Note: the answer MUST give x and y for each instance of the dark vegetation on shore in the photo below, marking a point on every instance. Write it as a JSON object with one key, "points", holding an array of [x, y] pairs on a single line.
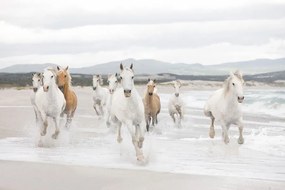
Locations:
{"points": [[24, 79]]}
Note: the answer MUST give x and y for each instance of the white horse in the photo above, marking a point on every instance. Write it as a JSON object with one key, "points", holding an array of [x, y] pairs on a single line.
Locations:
{"points": [[128, 109], [225, 106], [37, 83], [176, 105], [50, 102], [100, 95], [112, 86]]}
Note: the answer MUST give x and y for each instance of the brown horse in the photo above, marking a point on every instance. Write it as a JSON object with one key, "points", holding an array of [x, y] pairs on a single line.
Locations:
{"points": [[151, 104], [64, 84]]}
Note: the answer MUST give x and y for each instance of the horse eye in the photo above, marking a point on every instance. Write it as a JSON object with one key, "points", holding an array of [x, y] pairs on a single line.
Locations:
{"points": [[233, 84], [39, 80], [65, 76], [116, 81], [132, 77], [121, 77]]}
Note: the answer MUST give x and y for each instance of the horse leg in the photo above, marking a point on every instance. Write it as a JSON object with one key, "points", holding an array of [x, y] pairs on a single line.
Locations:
{"points": [[44, 124], [212, 129], [172, 116], [135, 141], [240, 127], [140, 135], [147, 121], [56, 124], [95, 108], [101, 109], [225, 128], [119, 137], [68, 120]]}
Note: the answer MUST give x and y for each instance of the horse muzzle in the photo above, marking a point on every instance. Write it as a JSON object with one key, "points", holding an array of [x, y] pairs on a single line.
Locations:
{"points": [[240, 99], [176, 94], [111, 91], [150, 93], [94, 88], [127, 93], [46, 88]]}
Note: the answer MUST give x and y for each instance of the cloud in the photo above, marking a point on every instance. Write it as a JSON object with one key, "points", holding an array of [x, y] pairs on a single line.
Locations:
{"points": [[89, 32]]}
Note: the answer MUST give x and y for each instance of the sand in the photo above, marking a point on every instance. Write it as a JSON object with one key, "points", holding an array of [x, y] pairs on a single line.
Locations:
{"points": [[35, 176]]}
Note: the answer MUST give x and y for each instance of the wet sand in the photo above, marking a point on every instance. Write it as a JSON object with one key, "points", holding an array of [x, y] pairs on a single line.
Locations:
{"points": [[35, 176]]}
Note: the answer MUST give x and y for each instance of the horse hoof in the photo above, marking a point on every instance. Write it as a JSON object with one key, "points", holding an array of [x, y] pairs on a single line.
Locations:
{"points": [[226, 140], [240, 140], [40, 143], [140, 158], [43, 133], [119, 139], [54, 136], [212, 134]]}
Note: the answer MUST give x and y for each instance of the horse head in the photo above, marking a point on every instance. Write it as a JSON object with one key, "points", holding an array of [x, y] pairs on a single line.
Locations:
{"points": [[63, 76], [150, 87], [37, 80], [177, 84], [235, 84], [112, 83], [97, 81], [49, 79], [127, 79]]}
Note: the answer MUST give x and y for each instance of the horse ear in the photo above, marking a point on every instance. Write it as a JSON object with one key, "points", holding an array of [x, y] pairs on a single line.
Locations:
{"points": [[116, 74], [39, 74], [98, 76], [58, 68], [66, 68], [121, 67], [148, 79], [131, 67], [238, 74], [154, 80]]}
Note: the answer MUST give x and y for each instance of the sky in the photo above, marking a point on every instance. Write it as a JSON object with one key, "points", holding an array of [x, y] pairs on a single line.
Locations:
{"points": [[88, 32]]}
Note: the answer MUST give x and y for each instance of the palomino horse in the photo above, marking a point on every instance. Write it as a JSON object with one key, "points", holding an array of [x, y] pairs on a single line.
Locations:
{"points": [[112, 86], [127, 108], [37, 83], [225, 106], [64, 84], [151, 104], [176, 104], [100, 95], [50, 102]]}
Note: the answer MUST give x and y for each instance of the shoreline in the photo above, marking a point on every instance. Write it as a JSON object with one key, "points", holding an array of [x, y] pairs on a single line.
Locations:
{"points": [[31, 175]]}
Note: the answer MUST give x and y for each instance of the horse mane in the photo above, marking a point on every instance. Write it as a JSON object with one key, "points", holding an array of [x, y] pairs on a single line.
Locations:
{"points": [[68, 76]]}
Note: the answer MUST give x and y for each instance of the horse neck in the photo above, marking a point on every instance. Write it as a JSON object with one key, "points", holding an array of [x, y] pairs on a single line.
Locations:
{"points": [[66, 89], [52, 91], [230, 99]]}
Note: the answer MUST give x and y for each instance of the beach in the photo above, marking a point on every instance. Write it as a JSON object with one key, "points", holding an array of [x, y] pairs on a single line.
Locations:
{"points": [[87, 155]]}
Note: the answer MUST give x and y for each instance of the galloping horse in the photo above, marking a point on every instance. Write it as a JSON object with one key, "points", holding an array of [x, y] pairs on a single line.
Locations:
{"points": [[225, 106], [50, 102], [64, 83], [176, 105], [127, 108], [100, 95], [37, 83], [151, 104], [112, 86]]}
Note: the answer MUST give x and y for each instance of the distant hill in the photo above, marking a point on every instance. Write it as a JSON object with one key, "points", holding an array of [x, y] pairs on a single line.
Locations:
{"points": [[25, 68], [150, 66], [24, 79]]}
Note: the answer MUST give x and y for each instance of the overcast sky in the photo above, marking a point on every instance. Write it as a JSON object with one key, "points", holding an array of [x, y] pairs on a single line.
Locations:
{"points": [[88, 32]]}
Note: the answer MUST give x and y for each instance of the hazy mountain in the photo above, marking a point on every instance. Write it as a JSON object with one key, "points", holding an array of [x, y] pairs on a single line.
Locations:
{"points": [[150, 66], [26, 68]]}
